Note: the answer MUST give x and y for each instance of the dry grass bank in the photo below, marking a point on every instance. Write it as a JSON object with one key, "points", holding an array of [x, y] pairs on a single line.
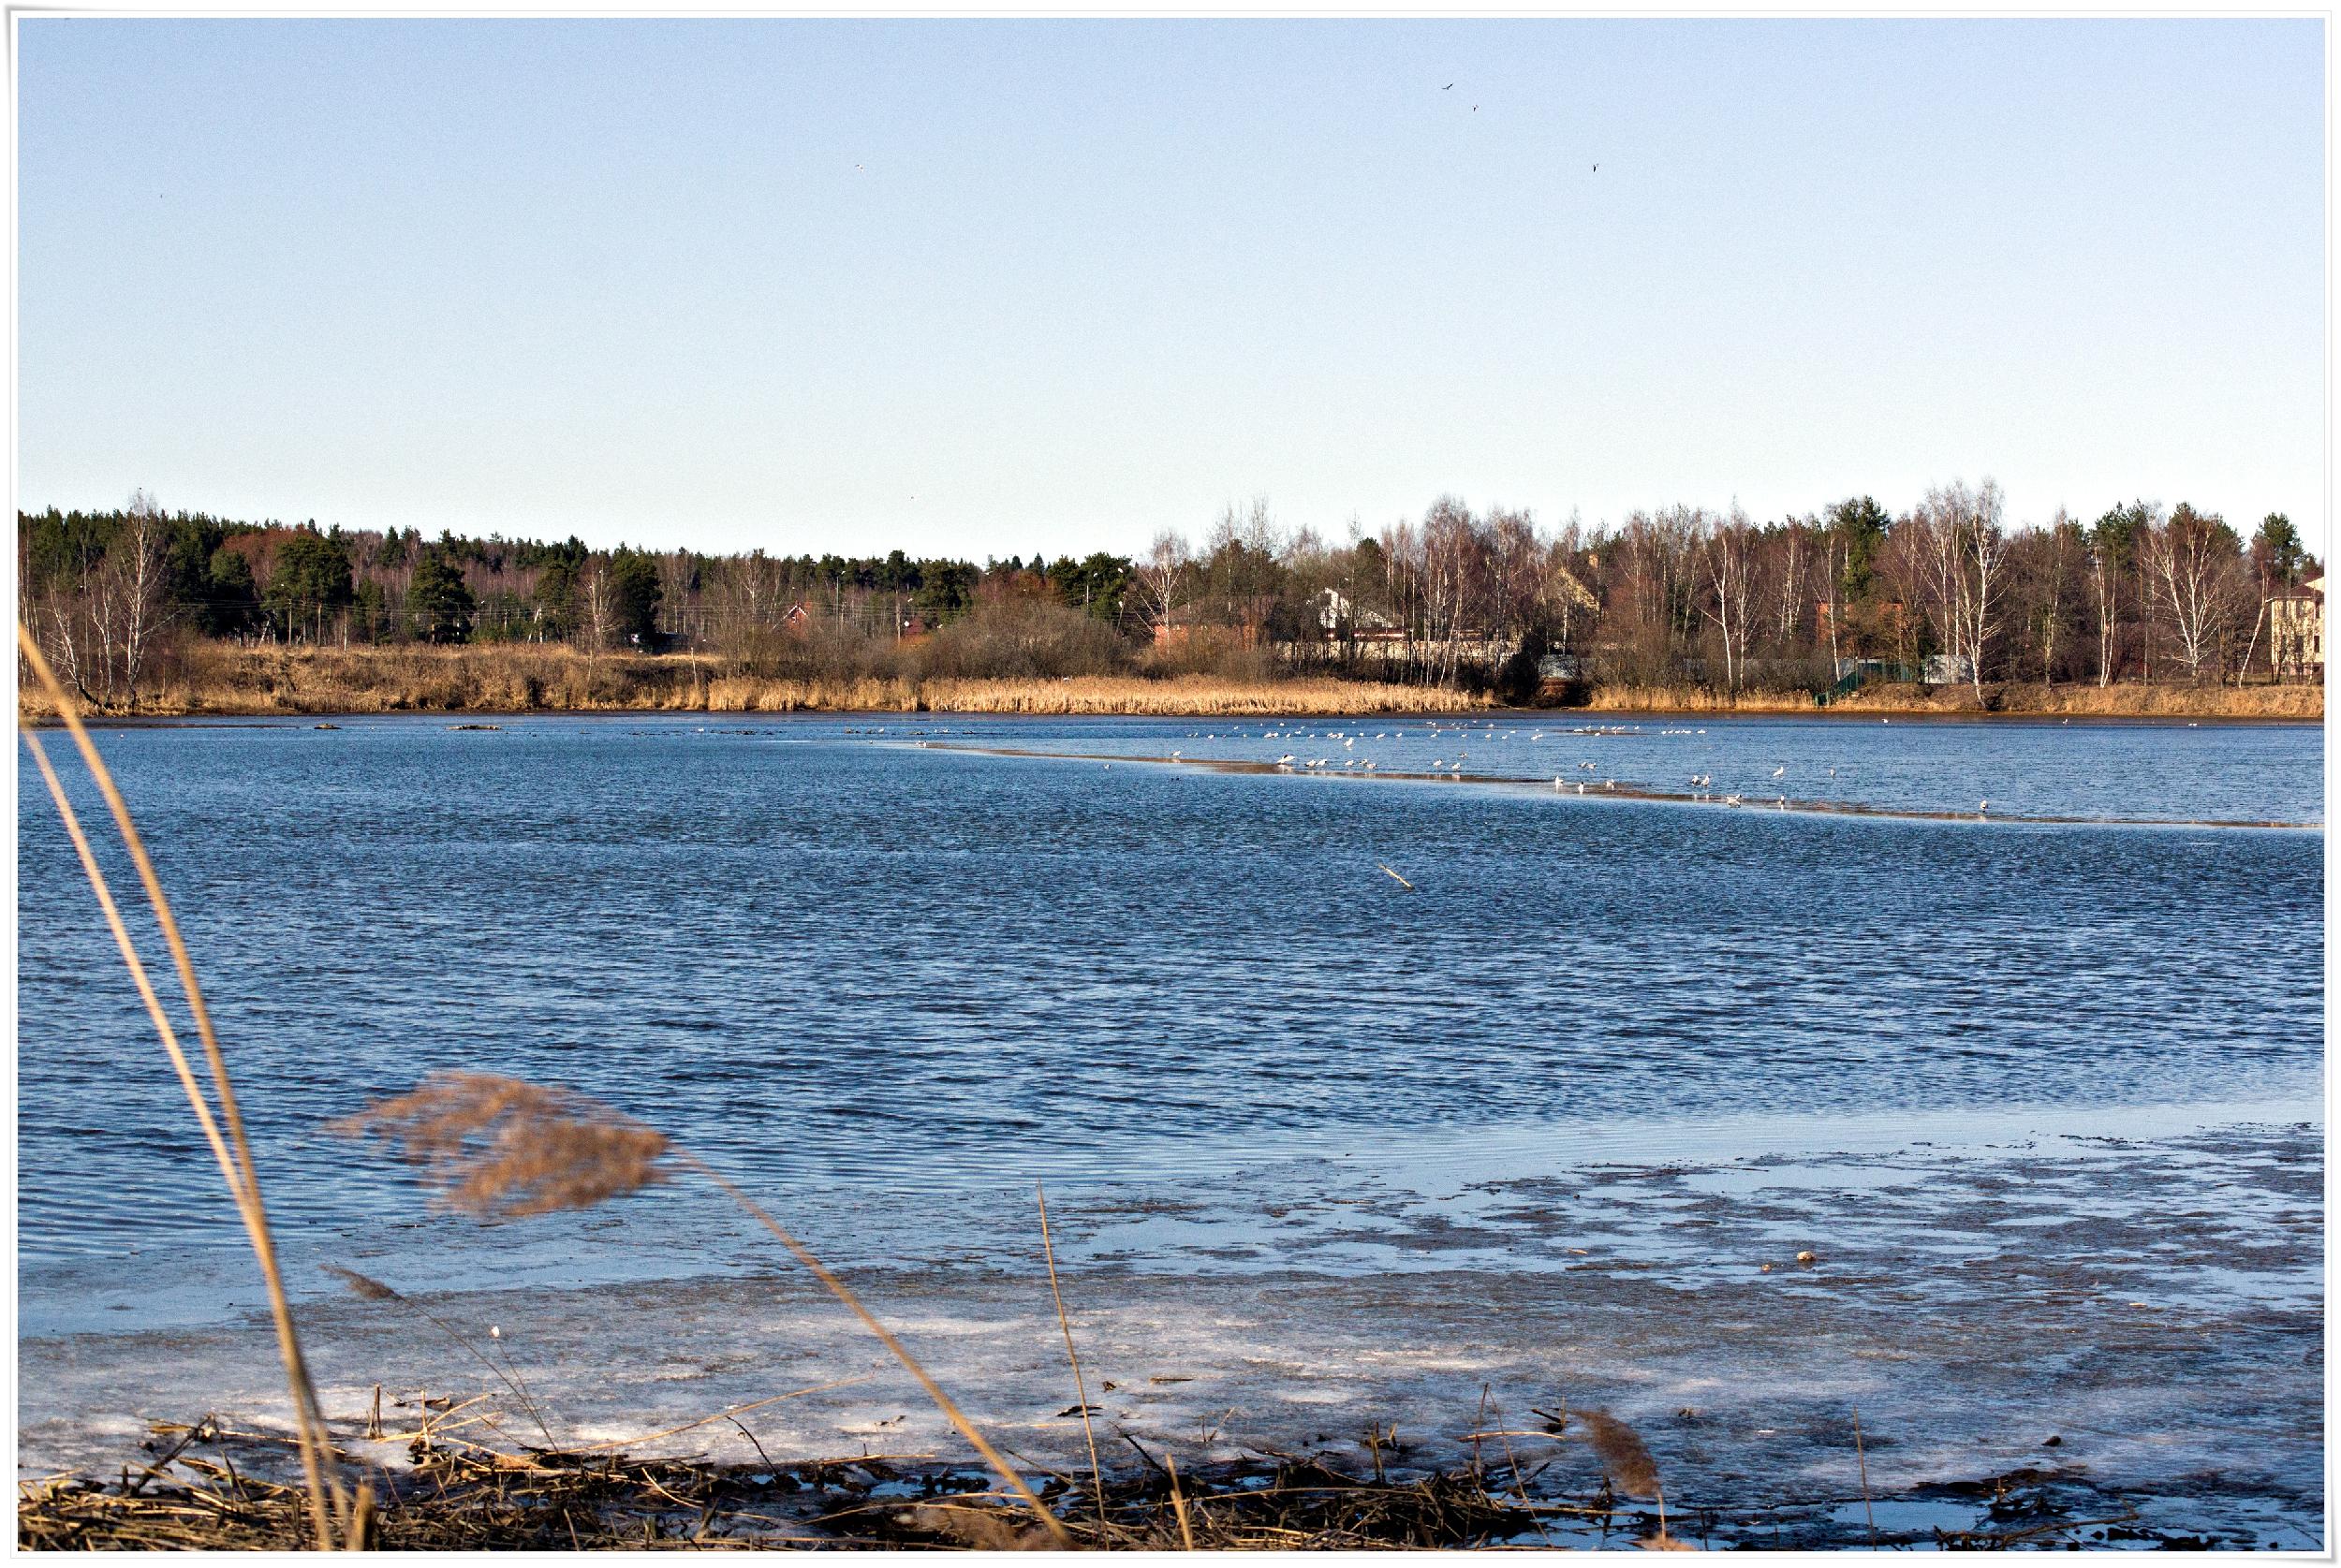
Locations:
{"points": [[223, 679], [2304, 703]]}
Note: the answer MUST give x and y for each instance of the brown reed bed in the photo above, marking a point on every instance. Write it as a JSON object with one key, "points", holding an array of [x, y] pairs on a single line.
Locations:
{"points": [[2130, 700], [226, 679], [222, 679]]}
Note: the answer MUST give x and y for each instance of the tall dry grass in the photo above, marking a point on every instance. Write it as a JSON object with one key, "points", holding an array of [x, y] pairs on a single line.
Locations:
{"points": [[338, 1518], [222, 679], [2306, 703]]}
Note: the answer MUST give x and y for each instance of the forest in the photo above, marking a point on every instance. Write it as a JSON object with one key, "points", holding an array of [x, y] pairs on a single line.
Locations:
{"points": [[1946, 593]]}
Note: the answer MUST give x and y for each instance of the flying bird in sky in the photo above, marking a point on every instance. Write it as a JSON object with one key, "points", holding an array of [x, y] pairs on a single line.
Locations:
{"points": [[1449, 88]]}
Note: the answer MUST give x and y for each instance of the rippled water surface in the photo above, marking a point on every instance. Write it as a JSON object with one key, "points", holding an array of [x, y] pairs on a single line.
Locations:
{"points": [[833, 958]]}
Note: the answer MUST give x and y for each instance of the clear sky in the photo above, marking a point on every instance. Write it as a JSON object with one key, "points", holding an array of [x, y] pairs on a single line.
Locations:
{"points": [[977, 288]]}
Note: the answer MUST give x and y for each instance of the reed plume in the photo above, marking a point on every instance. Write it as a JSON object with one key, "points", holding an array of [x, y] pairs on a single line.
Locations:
{"points": [[1624, 1461], [363, 1288], [500, 1149], [1628, 1466], [497, 1148]]}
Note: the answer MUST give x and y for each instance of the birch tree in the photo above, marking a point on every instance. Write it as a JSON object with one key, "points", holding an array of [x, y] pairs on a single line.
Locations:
{"points": [[1728, 556], [1162, 579], [2191, 562]]}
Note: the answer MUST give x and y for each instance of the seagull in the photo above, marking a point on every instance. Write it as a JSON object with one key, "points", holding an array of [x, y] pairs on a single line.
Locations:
{"points": [[1777, 771], [1449, 88], [1597, 169], [1982, 807]]}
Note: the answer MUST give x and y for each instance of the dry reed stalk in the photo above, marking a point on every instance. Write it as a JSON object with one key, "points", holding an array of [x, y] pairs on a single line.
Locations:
{"points": [[628, 1444], [935, 1391], [331, 1504], [1520, 1484], [1178, 1500], [1080, 1389], [1862, 1458], [374, 1290], [498, 1148]]}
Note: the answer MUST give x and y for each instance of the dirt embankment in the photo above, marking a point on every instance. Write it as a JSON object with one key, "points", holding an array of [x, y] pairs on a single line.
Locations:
{"points": [[223, 679]]}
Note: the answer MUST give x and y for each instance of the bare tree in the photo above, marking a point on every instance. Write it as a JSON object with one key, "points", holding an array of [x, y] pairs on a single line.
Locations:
{"points": [[2049, 587], [1795, 551], [123, 608], [1562, 594], [1162, 579], [1514, 558], [1450, 550], [596, 605], [1982, 559], [2104, 586], [2191, 564], [678, 584], [1949, 556], [1729, 556]]}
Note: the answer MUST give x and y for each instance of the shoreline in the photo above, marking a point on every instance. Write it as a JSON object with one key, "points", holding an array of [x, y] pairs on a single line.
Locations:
{"points": [[216, 682], [1735, 1310]]}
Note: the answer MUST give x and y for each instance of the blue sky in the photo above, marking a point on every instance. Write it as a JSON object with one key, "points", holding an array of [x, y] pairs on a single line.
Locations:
{"points": [[981, 287]]}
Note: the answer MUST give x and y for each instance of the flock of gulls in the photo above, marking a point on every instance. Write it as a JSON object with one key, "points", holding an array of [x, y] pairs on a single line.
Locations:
{"points": [[1588, 776]]}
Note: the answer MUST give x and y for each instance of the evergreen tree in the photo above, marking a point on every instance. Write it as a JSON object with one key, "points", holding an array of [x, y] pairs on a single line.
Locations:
{"points": [[309, 579], [437, 600], [635, 587]]}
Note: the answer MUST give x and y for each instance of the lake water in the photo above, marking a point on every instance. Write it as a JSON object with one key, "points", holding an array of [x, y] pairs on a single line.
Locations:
{"points": [[888, 972], [819, 953]]}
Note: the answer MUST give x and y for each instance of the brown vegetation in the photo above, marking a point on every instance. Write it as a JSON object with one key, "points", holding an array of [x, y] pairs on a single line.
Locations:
{"points": [[213, 678], [458, 1496], [2134, 699], [222, 679]]}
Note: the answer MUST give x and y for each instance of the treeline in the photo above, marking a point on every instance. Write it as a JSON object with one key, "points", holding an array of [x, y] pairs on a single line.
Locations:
{"points": [[1946, 591]]}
